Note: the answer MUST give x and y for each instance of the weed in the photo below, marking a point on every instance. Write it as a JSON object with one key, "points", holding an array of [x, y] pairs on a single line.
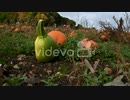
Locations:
{"points": [[15, 81]]}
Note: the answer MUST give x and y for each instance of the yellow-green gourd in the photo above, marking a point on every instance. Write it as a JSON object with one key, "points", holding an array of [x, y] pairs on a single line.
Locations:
{"points": [[44, 44]]}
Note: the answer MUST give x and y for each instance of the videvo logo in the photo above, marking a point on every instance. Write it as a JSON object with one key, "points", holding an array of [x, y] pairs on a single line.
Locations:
{"points": [[80, 52]]}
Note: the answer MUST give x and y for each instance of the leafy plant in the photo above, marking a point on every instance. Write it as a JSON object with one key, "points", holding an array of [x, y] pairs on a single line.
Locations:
{"points": [[15, 81], [49, 81], [106, 52], [99, 79]]}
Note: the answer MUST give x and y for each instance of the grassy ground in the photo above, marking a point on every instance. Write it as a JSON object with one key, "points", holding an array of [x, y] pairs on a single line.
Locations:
{"points": [[18, 66]]}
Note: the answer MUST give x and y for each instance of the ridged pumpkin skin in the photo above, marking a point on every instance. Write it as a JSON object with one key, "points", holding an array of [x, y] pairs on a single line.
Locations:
{"points": [[58, 36], [44, 42]]}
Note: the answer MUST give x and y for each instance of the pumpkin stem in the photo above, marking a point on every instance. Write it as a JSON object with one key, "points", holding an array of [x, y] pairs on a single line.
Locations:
{"points": [[40, 29]]}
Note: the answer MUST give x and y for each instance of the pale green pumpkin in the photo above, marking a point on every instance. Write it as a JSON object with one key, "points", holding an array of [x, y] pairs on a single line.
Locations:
{"points": [[44, 45]]}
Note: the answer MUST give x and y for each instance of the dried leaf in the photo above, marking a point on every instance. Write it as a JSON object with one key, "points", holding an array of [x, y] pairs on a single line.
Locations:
{"points": [[116, 82], [89, 66], [5, 67], [12, 75], [16, 66], [23, 63], [29, 84], [96, 64], [21, 57], [5, 84], [49, 72]]}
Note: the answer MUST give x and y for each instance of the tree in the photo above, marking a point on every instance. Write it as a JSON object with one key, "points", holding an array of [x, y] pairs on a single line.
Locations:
{"points": [[126, 22], [79, 26], [2, 16]]}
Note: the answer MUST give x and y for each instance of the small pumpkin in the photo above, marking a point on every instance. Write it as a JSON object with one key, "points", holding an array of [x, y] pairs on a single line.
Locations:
{"points": [[26, 28], [89, 44], [2, 26], [72, 34], [103, 37], [58, 36], [84, 42], [44, 43], [23, 28], [17, 30], [94, 44]]}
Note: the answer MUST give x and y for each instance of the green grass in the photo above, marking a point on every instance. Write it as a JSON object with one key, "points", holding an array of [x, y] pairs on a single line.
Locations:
{"points": [[125, 51], [15, 81], [13, 44], [106, 52]]}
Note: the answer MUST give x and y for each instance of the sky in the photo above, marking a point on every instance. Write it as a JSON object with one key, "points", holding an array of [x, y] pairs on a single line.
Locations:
{"points": [[93, 18]]}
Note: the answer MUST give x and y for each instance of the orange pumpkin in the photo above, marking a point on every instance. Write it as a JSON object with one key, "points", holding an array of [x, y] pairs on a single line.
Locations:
{"points": [[17, 30], [2, 26], [84, 41], [94, 44], [72, 34], [88, 44], [58, 36], [103, 38], [26, 28]]}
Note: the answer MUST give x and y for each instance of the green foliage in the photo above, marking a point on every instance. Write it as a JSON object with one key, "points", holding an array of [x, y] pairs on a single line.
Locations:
{"points": [[27, 48], [50, 81], [15, 80], [71, 45], [79, 26], [56, 78], [106, 53], [125, 51], [3, 16], [13, 44], [63, 70], [31, 18], [96, 80]]}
